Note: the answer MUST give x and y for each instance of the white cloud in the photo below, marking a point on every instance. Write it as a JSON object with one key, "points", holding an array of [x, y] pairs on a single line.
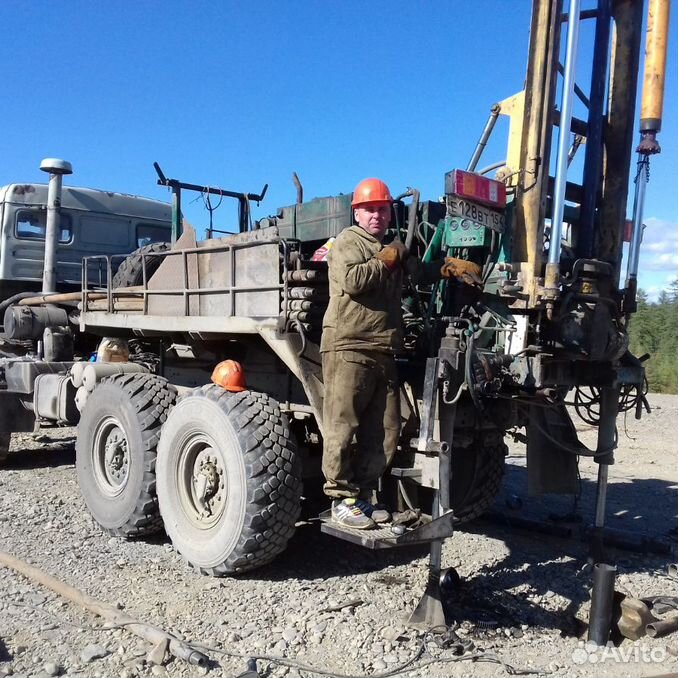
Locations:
{"points": [[661, 227], [661, 262], [659, 249]]}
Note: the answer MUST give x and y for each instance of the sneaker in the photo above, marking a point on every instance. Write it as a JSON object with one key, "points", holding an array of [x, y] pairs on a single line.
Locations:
{"points": [[347, 513], [379, 515]]}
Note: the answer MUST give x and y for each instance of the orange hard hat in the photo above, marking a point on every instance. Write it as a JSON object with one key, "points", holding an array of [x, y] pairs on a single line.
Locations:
{"points": [[371, 192], [230, 376]]}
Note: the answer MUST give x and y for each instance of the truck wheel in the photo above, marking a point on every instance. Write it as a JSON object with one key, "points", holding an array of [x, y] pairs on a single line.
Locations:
{"points": [[229, 480], [477, 473], [116, 449], [130, 272], [5, 439]]}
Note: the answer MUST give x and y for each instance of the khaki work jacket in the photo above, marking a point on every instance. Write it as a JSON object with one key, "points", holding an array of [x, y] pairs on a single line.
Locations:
{"points": [[364, 310]]}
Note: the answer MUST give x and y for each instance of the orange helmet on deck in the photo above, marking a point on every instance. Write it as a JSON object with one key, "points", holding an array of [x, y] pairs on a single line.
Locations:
{"points": [[230, 376], [371, 192]]}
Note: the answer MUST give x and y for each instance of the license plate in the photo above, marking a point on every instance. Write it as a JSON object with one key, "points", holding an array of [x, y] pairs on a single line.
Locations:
{"points": [[476, 214]]}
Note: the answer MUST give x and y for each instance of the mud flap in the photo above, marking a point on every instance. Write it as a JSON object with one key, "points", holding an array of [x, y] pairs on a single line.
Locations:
{"points": [[550, 467]]}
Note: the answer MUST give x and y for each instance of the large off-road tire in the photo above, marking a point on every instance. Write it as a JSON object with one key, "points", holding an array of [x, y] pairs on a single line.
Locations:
{"points": [[115, 451], [5, 439], [130, 272], [477, 474], [229, 480]]}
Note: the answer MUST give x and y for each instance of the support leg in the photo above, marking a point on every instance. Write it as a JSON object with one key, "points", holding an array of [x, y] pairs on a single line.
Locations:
{"points": [[609, 406], [429, 615]]}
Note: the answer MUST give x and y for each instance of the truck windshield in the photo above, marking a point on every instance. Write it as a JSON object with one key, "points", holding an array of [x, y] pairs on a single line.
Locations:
{"points": [[148, 233], [31, 225]]}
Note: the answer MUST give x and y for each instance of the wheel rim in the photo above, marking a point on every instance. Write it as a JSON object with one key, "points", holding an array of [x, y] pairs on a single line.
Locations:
{"points": [[110, 457], [202, 482]]}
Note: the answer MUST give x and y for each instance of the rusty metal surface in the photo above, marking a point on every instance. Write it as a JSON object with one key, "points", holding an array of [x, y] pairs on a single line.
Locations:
{"points": [[384, 537], [536, 136], [211, 288], [655, 65], [238, 275], [628, 17], [170, 275], [253, 268], [137, 324], [257, 235], [593, 153]]}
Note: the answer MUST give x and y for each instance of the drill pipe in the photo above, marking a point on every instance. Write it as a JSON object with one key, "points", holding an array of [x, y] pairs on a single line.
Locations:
{"points": [[153, 634]]}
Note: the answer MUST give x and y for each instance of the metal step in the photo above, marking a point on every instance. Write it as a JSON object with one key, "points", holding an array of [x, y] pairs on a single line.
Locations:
{"points": [[384, 537]]}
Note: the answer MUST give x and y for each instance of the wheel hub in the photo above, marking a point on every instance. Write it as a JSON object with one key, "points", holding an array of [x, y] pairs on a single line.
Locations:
{"points": [[208, 486], [111, 457], [116, 453]]}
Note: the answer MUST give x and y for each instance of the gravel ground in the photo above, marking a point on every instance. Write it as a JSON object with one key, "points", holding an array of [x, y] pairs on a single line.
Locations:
{"points": [[327, 603]]}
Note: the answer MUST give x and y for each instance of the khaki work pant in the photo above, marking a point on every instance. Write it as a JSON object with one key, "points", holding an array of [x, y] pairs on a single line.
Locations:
{"points": [[361, 420]]}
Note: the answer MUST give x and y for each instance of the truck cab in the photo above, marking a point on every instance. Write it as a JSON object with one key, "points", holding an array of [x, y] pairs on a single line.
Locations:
{"points": [[92, 222]]}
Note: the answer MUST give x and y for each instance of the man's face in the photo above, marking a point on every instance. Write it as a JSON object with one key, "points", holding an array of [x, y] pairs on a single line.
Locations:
{"points": [[374, 219]]}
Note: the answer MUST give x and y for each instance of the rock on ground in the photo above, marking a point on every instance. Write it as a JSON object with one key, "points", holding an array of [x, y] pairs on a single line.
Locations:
{"points": [[518, 600]]}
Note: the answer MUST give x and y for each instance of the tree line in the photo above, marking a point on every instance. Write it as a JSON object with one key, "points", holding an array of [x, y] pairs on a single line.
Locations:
{"points": [[654, 329]]}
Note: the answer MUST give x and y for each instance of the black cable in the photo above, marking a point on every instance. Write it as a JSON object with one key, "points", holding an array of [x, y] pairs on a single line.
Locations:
{"points": [[583, 451], [584, 404], [521, 401], [208, 205], [587, 405], [300, 666], [480, 656]]}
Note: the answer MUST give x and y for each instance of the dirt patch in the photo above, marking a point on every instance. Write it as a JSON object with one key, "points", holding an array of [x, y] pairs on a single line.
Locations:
{"points": [[332, 605]]}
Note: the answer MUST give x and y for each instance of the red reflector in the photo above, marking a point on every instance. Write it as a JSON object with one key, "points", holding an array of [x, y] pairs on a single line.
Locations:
{"points": [[628, 230], [476, 187]]}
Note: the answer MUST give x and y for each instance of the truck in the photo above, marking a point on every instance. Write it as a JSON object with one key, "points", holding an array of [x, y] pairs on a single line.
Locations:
{"points": [[91, 222], [162, 444], [82, 222]]}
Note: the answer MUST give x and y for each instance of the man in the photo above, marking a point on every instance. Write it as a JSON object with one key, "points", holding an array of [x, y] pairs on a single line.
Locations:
{"points": [[361, 335]]}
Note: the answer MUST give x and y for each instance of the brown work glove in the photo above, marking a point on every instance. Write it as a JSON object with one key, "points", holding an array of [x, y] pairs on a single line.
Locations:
{"points": [[464, 271], [392, 255]]}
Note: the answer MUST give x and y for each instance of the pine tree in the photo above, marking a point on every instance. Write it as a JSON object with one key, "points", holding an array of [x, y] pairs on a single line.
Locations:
{"points": [[654, 330]]}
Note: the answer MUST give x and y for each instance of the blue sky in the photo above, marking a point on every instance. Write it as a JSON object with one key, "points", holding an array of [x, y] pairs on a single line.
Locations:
{"points": [[239, 94]]}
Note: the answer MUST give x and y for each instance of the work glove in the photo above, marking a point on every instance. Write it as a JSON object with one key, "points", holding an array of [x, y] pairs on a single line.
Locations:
{"points": [[392, 255], [462, 270]]}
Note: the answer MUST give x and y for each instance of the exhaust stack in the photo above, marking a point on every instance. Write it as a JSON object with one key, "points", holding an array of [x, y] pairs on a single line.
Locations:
{"points": [[56, 169]]}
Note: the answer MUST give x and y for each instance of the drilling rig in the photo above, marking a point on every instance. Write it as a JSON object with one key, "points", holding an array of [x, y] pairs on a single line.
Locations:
{"points": [[224, 471]]}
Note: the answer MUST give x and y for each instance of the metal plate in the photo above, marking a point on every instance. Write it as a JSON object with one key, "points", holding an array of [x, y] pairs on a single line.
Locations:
{"points": [[474, 215], [383, 537], [464, 233]]}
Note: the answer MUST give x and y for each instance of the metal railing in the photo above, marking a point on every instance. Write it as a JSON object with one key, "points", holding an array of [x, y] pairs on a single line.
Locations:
{"points": [[186, 291]]}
